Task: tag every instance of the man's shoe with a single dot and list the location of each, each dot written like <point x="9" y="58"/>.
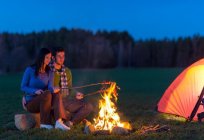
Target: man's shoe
<point x="60" y="125"/>
<point x="69" y="124"/>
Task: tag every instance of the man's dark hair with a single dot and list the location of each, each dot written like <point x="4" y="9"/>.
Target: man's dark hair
<point x="56" y="50"/>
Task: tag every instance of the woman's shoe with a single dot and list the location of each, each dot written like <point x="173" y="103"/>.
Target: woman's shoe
<point x="46" y="126"/>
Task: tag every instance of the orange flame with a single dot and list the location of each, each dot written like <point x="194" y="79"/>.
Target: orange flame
<point x="108" y="118"/>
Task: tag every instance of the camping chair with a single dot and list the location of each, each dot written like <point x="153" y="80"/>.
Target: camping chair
<point x="199" y="102"/>
<point x="201" y="115"/>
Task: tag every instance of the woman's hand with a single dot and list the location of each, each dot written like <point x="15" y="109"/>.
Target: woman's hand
<point x="79" y="96"/>
<point x="38" y="92"/>
<point x="24" y="103"/>
<point x="56" y="90"/>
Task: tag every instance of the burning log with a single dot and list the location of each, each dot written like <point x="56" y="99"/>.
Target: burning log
<point x="102" y="132"/>
<point x="119" y="131"/>
<point x="27" y="121"/>
<point x="90" y="129"/>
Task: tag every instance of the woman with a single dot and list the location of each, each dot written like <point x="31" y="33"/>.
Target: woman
<point x="40" y="97"/>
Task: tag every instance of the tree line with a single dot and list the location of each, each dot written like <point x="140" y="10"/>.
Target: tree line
<point x="101" y="49"/>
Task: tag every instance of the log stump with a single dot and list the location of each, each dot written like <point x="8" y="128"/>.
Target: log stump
<point x="27" y="121"/>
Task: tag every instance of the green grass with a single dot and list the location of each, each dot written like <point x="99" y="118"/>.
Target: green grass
<point x="140" y="91"/>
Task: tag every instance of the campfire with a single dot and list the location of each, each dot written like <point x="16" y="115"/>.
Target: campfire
<point x="108" y="119"/>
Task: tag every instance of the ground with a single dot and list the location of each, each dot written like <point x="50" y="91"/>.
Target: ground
<point x="140" y="91"/>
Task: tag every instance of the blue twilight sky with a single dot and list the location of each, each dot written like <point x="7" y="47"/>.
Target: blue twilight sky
<point x="141" y="18"/>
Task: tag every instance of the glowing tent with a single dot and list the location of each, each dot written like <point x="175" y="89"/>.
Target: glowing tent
<point x="183" y="97"/>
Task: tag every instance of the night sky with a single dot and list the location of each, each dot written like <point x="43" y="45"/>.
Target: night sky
<point x="141" y="18"/>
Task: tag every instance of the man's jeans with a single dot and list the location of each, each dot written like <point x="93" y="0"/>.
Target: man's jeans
<point x="78" y="109"/>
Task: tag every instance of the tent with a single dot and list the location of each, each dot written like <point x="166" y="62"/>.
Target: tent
<point x="183" y="97"/>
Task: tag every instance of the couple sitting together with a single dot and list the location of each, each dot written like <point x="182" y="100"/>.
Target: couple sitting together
<point x="44" y="83"/>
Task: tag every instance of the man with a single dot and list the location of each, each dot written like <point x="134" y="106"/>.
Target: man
<point x="78" y="109"/>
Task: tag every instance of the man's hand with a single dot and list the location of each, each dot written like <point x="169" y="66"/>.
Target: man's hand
<point x="56" y="90"/>
<point x="79" y="96"/>
<point x="38" y="92"/>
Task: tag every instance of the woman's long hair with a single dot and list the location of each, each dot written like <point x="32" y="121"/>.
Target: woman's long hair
<point x="39" y="62"/>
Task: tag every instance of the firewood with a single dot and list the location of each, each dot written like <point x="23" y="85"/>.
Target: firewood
<point x="153" y="129"/>
<point x="119" y="131"/>
<point x="101" y="132"/>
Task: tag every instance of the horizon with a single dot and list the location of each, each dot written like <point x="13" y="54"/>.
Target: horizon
<point x="94" y="32"/>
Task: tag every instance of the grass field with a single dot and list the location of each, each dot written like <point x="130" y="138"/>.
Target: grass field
<point x="140" y="91"/>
